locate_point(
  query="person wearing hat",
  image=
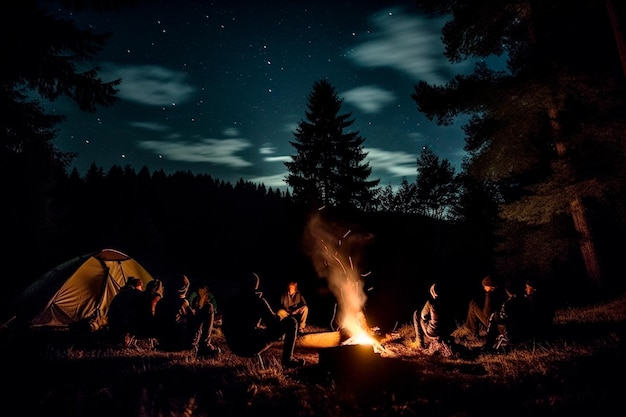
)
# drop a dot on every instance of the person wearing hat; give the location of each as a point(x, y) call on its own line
point(250, 326)
point(481, 307)
point(434, 324)
point(179, 326)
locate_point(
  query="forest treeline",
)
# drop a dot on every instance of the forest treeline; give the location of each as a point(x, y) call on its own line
point(541, 192)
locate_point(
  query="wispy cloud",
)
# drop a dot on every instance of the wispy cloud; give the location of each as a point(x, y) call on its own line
point(407, 42)
point(152, 85)
point(157, 127)
point(396, 164)
point(215, 151)
point(369, 99)
point(231, 131)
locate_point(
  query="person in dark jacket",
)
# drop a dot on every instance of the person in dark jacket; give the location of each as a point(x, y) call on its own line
point(481, 307)
point(434, 324)
point(541, 309)
point(250, 326)
point(510, 325)
point(180, 327)
point(123, 311)
point(292, 303)
point(146, 312)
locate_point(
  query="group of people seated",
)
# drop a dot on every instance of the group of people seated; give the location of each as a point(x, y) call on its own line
point(177, 319)
point(169, 315)
point(503, 319)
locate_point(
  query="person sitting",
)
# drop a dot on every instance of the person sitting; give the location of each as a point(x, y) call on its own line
point(146, 312)
point(122, 313)
point(434, 324)
point(541, 309)
point(480, 309)
point(292, 303)
point(180, 327)
point(250, 326)
point(510, 324)
point(203, 295)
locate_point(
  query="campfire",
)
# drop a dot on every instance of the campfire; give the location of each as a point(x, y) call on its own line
point(337, 259)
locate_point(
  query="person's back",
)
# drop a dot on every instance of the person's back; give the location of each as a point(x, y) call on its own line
point(146, 312)
point(434, 323)
point(242, 318)
point(172, 316)
point(122, 313)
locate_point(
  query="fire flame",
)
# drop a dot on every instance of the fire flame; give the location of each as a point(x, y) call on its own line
point(337, 261)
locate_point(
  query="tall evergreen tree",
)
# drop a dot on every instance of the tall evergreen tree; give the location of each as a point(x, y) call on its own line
point(44, 60)
point(533, 127)
point(328, 167)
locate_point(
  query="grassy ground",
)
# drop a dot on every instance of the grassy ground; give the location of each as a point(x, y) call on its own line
point(579, 372)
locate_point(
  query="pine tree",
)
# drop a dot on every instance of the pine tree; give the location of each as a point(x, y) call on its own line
point(44, 60)
point(328, 167)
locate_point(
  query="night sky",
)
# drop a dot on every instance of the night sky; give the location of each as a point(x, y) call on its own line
point(218, 87)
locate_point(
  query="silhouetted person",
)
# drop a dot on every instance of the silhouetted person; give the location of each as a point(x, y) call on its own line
point(541, 309)
point(122, 315)
point(146, 312)
point(434, 323)
point(201, 296)
point(250, 325)
point(510, 324)
point(481, 307)
point(179, 327)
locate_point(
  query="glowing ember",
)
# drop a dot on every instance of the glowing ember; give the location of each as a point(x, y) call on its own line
point(365, 339)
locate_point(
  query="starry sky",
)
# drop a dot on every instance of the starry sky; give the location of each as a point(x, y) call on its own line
point(218, 87)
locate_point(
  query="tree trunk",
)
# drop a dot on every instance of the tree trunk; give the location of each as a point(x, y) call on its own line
point(577, 210)
point(587, 248)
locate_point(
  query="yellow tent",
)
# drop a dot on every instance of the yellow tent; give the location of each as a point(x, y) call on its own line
point(79, 290)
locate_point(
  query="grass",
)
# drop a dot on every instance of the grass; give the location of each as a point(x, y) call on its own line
point(578, 372)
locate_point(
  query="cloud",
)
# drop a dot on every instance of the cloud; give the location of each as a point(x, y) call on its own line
point(157, 127)
point(369, 99)
point(231, 131)
point(283, 158)
point(152, 85)
point(406, 42)
point(397, 164)
point(267, 149)
point(216, 151)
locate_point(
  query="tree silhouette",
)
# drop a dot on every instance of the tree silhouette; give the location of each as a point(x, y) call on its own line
point(534, 126)
point(45, 59)
point(328, 167)
point(437, 187)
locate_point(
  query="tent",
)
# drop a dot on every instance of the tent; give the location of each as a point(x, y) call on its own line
point(78, 291)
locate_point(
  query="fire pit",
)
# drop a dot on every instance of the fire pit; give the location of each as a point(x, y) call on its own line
point(354, 364)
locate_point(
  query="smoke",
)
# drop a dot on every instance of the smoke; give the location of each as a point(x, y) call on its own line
point(336, 252)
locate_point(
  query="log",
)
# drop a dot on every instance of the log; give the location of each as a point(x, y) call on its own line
point(318, 340)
